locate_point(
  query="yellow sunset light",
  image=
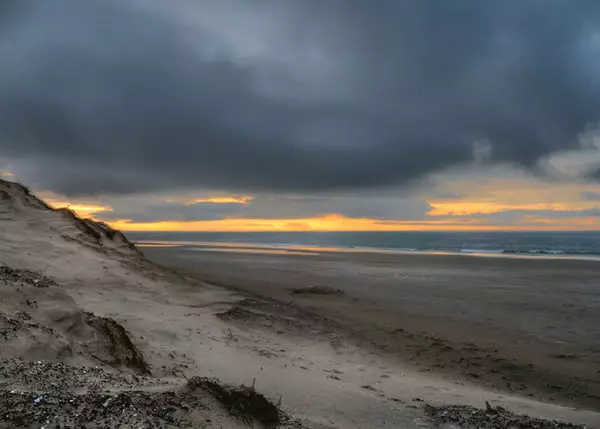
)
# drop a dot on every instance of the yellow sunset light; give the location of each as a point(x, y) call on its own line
point(82, 210)
point(223, 200)
point(335, 222)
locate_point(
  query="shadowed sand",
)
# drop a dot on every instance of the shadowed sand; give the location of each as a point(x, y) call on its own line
point(529, 326)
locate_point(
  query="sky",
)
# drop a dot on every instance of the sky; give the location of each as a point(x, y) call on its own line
point(225, 115)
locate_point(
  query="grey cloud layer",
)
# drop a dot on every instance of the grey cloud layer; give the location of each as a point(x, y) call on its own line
point(384, 209)
point(170, 212)
point(266, 206)
point(118, 97)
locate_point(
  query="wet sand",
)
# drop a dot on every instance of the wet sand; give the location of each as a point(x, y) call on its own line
point(529, 326)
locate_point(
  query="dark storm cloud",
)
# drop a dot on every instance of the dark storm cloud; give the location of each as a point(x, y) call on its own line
point(116, 97)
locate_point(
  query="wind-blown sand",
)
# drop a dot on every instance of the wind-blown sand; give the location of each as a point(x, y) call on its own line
point(521, 326)
point(92, 334)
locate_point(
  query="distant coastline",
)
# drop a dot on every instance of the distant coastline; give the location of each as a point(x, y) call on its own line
point(538, 245)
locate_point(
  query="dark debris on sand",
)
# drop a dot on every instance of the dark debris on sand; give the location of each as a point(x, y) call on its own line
point(317, 290)
point(46, 394)
point(96, 410)
point(241, 401)
point(25, 277)
point(52, 377)
point(467, 417)
point(56, 395)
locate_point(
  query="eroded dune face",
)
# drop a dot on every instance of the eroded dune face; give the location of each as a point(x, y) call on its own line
point(64, 358)
point(82, 343)
point(39, 319)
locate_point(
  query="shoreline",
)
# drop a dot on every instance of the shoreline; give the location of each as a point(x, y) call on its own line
point(286, 248)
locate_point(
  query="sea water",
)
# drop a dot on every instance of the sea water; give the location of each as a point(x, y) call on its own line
point(576, 244)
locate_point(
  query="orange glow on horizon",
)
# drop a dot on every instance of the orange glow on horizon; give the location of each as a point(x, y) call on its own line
point(335, 222)
point(465, 208)
point(504, 204)
point(487, 197)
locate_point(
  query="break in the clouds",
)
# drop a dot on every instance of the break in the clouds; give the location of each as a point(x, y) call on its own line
point(112, 97)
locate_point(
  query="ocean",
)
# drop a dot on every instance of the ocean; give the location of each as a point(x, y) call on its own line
point(575, 244)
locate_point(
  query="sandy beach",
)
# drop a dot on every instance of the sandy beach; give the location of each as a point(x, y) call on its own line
point(528, 326)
